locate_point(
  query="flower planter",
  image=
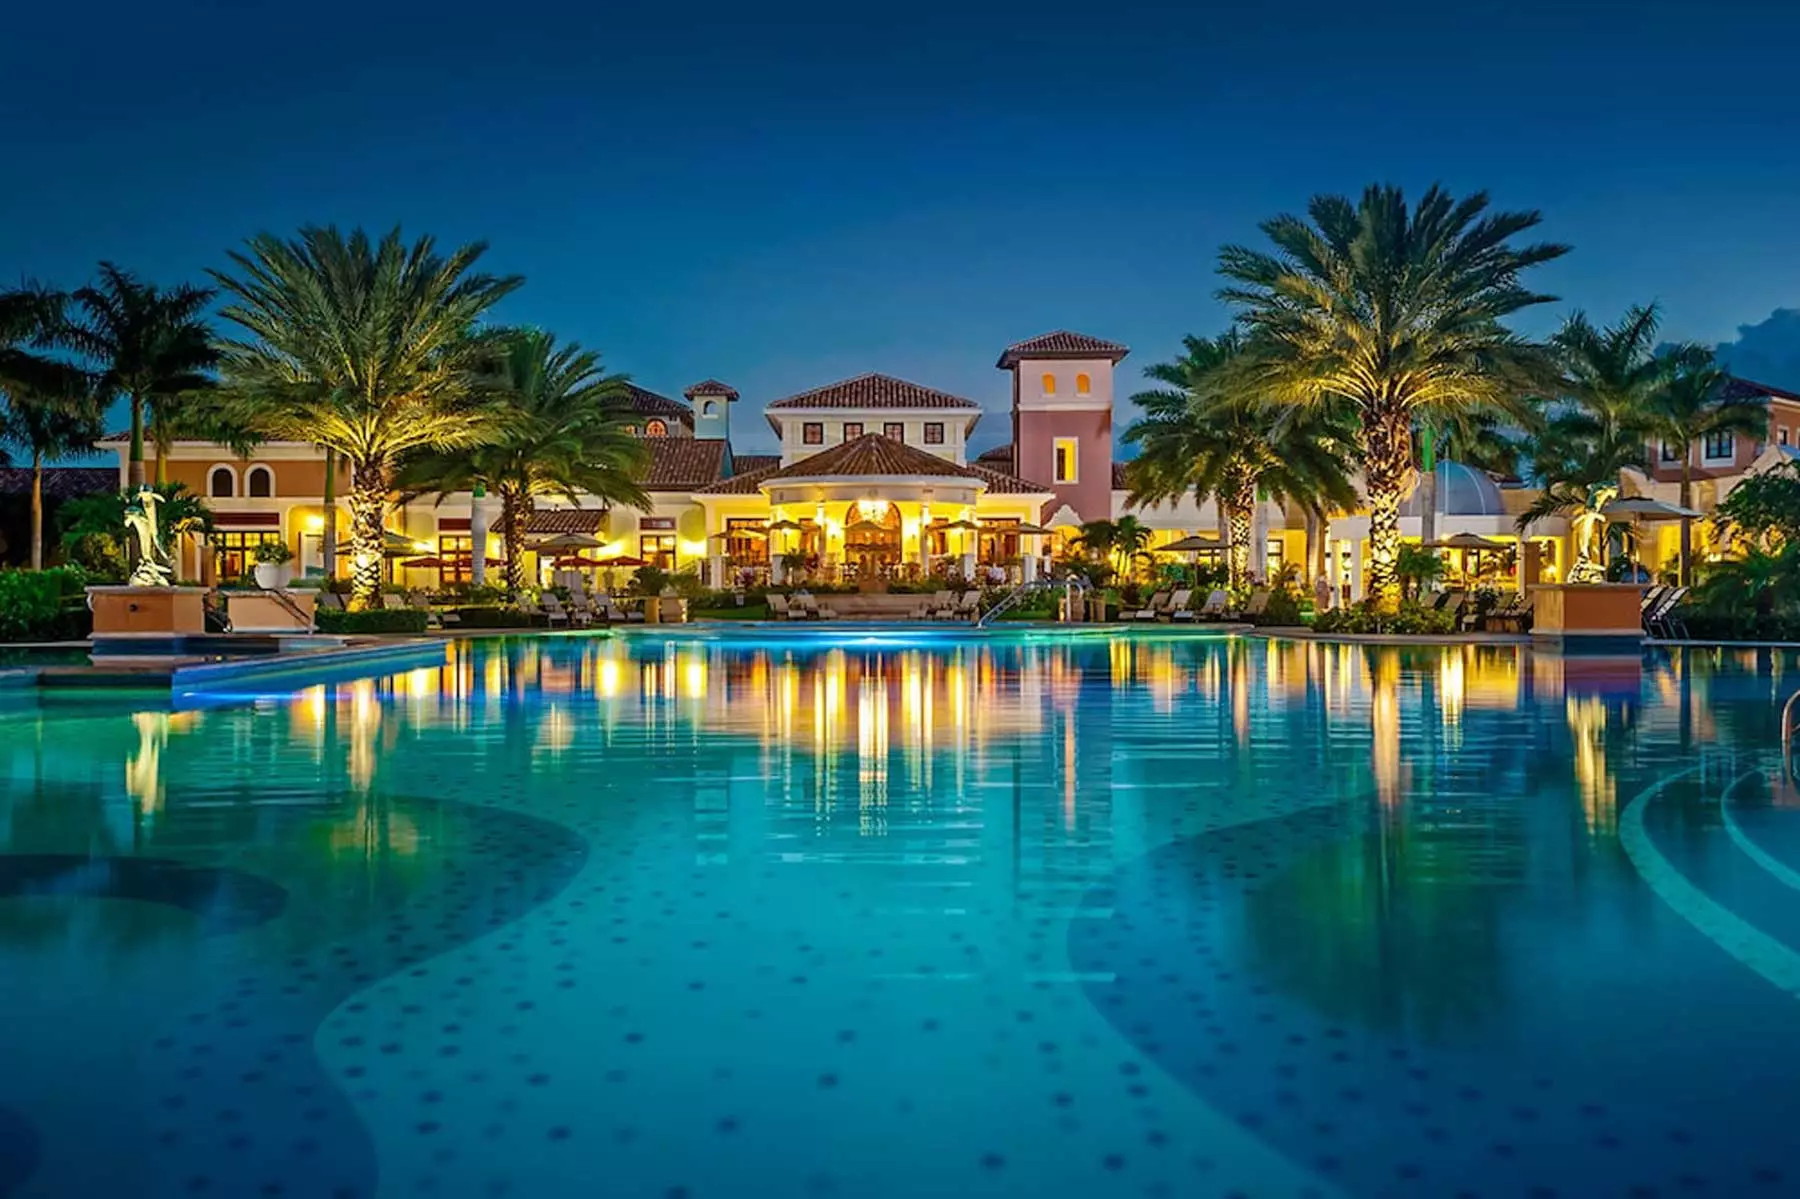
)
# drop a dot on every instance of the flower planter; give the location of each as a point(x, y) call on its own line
point(272, 576)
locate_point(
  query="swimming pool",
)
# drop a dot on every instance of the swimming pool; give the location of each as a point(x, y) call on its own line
point(692, 915)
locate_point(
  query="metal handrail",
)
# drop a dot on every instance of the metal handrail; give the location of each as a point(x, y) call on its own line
point(1787, 726)
point(1012, 598)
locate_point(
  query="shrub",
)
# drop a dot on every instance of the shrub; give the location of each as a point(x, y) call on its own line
point(274, 553)
point(31, 605)
point(1410, 619)
point(1283, 609)
point(492, 618)
point(649, 580)
point(374, 620)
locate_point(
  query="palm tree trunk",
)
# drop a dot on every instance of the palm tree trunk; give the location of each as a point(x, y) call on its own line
point(1241, 506)
point(134, 469)
point(1387, 457)
point(328, 535)
point(368, 503)
point(37, 510)
point(515, 514)
point(1685, 575)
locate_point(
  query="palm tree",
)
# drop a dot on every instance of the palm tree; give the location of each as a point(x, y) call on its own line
point(49, 405)
point(50, 423)
point(1199, 437)
point(1397, 311)
point(562, 432)
point(147, 345)
point(366, 349)
point(1696, 400)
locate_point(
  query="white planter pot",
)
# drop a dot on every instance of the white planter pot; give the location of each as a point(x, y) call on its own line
point(272, 576)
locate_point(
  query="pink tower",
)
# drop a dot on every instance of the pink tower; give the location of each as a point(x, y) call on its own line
point(1062, 410)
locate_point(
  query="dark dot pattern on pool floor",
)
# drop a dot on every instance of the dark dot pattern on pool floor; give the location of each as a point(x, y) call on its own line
point(1394, 1073)
point(231, 1097)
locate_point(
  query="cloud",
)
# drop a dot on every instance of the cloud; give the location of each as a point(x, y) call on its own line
point(1768, 352)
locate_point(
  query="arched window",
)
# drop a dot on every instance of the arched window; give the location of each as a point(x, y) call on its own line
point(709, 408)
point(1082, 384)
point(1049, 384)
point(259, 483)
point(656, 428)
point(221, 482)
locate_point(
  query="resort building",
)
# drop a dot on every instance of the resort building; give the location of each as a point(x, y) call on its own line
point(876, 478)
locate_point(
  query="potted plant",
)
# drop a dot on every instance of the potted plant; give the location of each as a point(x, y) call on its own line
point(272, 569)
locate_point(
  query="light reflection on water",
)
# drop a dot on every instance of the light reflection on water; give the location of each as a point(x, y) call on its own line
point(925, 872)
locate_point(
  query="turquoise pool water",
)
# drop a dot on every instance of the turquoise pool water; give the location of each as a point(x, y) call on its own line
point(685, 914)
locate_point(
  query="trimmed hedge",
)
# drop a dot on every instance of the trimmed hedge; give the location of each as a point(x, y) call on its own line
point(375, 620)
point(491, 618)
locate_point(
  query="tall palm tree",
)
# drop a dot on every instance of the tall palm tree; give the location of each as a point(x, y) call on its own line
point(364, 348)
point(49, 405)
point(1602, 413)
point(49, 423)
point(1199, 437)
point(1397, 310)
point(562, 425)
point(147, 345)
point(1696, 400)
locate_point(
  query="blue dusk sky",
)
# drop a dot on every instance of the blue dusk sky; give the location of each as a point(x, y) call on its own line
point(782, 195)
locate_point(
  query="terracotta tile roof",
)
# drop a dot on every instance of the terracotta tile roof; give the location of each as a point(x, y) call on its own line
point(1061, 344)
point(61, 482)
point(875, 391)
point(1000, 456)
point(683, 463)
point(876, 455)
point(748, 462)
point(1003, 483)
point(647, 403)
point(742, 481)
point(565, 520)
point(711, 387)
point(1744, 389)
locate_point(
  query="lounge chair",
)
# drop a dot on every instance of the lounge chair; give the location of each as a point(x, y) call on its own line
point(1177, 608)
point(1662, 621)
point(554, 611)
point(812, 609)
point(1509, 616)
point(1258, 601)
point(330, 601)
point(581, 614)
point(1215, 606)
point(951, 607)
point(929, 605)
point(969, 607)
point(1155, 609)
point(393, 602)
point(778, 606)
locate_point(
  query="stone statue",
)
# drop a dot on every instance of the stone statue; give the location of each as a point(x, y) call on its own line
point(151, 566)
point(1588, 527)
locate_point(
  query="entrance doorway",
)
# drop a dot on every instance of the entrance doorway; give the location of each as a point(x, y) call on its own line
point(872, 544)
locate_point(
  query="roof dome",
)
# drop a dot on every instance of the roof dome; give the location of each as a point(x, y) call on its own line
point(1461, 491)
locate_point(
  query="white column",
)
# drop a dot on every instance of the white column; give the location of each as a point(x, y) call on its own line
point(478, 535)
point(775, 569)
point(1028, 566)
point(1356, 572)
point(1331, 570)
point(718, 571)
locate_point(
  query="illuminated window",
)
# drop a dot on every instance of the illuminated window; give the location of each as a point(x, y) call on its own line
point(1049, 384)
point(812, 433)
point(852, 430)
point(221, 483)
point(1068, 463)
point(1719, 447)
point(897, 431)
point(1082, 385)
point(457, 553)
point(656, 428)
point(934, 432)
point(658, 549)
point(235, 553)
point(259, 483)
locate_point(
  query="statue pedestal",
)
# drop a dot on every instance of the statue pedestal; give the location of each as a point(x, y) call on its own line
point(270, 611)
point(147, 610)
point(1597, 615)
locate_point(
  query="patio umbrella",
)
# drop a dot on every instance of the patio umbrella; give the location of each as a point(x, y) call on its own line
point(740, 531)
point(1031, 530)
point(623, 561)
point(577, 561)
point(786, 526)
point(393, 545)
point(1194, 544)
point(1642, 507)
point(1465, 541)
point(567, 541)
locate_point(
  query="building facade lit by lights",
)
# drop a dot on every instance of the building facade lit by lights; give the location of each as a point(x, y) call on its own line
point(875, 478)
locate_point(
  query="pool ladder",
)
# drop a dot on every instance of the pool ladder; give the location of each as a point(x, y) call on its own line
point(1787, 735)
point(1013, 598)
